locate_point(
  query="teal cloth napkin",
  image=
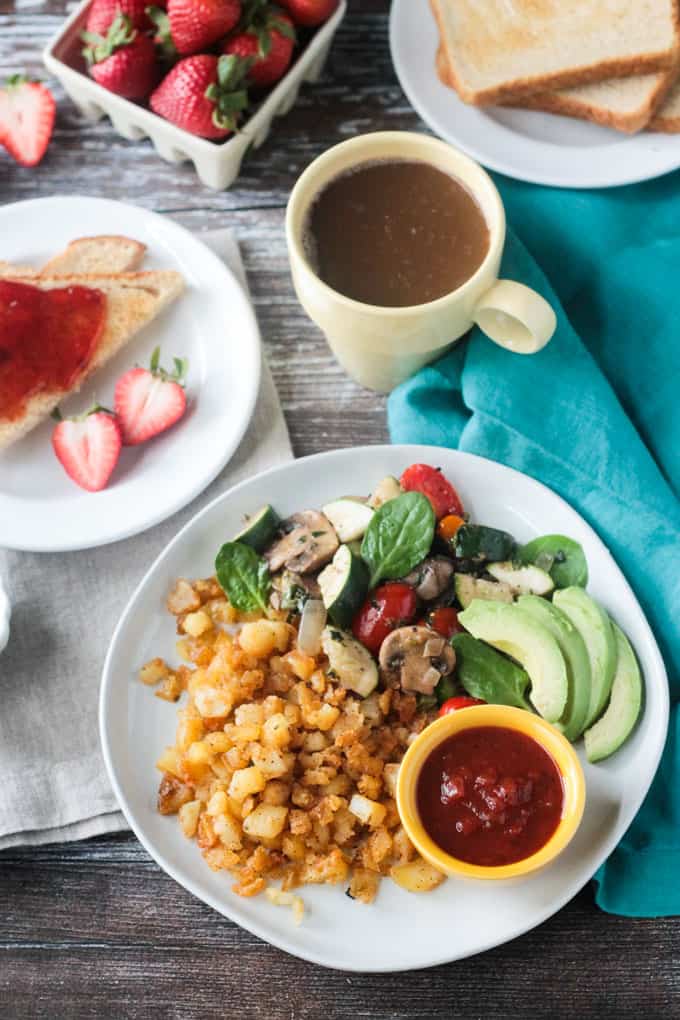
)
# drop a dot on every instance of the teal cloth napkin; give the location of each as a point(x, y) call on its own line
point(595, 416)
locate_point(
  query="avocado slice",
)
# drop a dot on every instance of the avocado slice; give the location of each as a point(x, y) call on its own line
point(575, 655)
point(469, 588)
point(527, 580)
point(515, 632)
point(617, 723)
point(596, 630)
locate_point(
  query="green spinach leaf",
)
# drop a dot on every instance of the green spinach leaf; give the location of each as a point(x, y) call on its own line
point(486, 674)
point(244, 576)
point(398, 537)
point(559, 556)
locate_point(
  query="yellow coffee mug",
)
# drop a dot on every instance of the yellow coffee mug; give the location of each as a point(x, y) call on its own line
point(381, 347)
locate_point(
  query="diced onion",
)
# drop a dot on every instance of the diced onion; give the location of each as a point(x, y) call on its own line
point(312, 623)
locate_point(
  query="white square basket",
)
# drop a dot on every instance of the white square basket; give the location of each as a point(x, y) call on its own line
point(217, 163)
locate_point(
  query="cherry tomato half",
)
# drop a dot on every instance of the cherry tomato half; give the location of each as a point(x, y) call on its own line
point(462, 701)
point(438, 489)
point(444, 621)
point(388, 607)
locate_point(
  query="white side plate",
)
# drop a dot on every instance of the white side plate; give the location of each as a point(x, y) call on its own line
point(211, 324)
point(400, 930)
point(530, 146)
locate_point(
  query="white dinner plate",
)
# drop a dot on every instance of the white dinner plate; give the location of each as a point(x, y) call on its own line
point(539, 147)
point(211, 324)
point(400, 930)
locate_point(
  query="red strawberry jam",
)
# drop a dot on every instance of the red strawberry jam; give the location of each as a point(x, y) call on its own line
point(47, 339)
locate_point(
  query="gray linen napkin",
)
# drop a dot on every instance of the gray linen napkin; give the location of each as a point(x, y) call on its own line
point(53, 785)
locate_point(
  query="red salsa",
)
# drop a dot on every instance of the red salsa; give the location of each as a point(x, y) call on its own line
point(490, 796)
point(47, 339)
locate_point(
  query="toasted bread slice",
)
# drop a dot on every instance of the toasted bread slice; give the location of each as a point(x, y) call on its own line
point(133, 301)
point(103, 254)
point(626, 104)
point(667, 119)
point(500, 50)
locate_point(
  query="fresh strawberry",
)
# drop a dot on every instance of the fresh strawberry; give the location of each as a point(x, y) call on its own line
point(203, 95)
point(123, 61)
point(27, 111)
point(310, 12)
point(268, 38)
point(150, 400)
point(196, 24)
point(103, 13)
point(88, 447)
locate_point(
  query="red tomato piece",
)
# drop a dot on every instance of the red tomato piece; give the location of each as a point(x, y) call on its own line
point(445, 621)
point(462, 701)
point(390, 606)
point(438, 489)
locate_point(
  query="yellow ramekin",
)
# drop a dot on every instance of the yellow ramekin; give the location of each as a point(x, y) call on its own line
point(509, 718)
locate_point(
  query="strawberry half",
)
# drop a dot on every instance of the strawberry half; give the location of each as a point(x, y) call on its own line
point(149, 400)
point(27, 111)
point(196, 24)
point(267, 36)
point(203, 95)
point(88, 447)
point(123, 61)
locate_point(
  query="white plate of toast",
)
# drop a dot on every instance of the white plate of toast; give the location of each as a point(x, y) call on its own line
point(547, 92)
point(163, 288)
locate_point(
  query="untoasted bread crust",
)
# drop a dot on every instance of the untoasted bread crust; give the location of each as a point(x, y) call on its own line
point(572, 106)
point(607, 68)
point(667, 118)
point(133, 300)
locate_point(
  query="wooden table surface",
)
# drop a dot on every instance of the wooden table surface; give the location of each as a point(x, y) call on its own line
point(95, 929)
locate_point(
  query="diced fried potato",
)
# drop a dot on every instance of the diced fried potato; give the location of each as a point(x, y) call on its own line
point(249, 714)
point(182, 598)
point(172, 794)
point(197, 624)
point(245, 782)
point(218, 803)
point(390, 775)
point(276, 792)
point(154, 671)
point(267, 820)
point(363, 885)
point(276, 731)
point(199, 753)
point(169, 761)
point(271, 762)
point(302, 665)
point(369, 812)
point(370, 786)
point(212, 703)
point(188, 817)
point(228, 831)
point(221, 611)
point(417, 876)
point(218, 742)
point(189, 730)
point(262, 637)
point(170, 689)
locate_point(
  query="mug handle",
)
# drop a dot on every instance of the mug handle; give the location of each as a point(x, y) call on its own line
point(515, 317)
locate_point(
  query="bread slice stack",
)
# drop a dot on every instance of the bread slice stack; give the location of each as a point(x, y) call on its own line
point(614, 62)
point(133, 300)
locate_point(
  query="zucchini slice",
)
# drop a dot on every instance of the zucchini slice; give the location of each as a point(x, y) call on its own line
point(349, 516)
point(344, 586)
point(352, 664)
point(260, 528)
point(527, 580)
point(469, 588)
point(482, 544)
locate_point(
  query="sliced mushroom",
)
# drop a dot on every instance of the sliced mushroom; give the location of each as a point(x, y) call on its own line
point(308, 542)
point(411, 658)
point(431, 577)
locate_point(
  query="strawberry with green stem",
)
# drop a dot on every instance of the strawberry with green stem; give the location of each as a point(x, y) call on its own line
point(27, 112)
point(123, 61)
point(150, 400)
point(88, 446)
point(204, 94)
point(266, 36)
